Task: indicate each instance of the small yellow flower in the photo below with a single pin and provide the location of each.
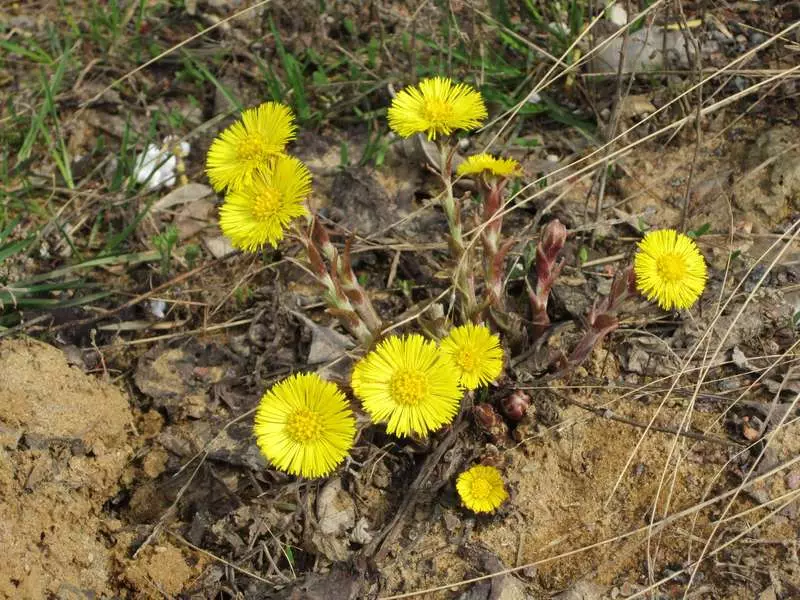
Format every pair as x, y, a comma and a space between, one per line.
477, 353
436, 107
670, 269
257, 214
304, 425
409, 383
488, 165
248, 145
481, 489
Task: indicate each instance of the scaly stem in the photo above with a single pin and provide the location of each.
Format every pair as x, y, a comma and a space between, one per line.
493, 255
462, 272
337, 300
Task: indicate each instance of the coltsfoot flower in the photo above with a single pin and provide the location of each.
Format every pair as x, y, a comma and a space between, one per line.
304, 425
248, 145
670, 269
437, 106
258, 213
489, 166
409, 383
481, 489
476, 352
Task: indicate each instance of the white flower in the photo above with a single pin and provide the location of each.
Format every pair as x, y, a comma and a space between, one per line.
156, 165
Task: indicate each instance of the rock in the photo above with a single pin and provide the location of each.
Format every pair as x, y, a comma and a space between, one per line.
582, 590
646, 51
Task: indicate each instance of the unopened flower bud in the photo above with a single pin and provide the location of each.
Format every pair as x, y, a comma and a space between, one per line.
491, 423
516, 405
485, 415
553, 239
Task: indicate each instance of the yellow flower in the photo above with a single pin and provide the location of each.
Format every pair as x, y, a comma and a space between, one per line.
490, 166
481, 489
436, 107
257, 214
249, 144
409, 383
477, 353
670, 269
304, 425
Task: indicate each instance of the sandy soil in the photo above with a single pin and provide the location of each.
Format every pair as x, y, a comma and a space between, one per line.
67, 438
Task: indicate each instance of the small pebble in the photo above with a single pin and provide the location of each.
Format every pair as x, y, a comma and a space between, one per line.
553, 158
451, 522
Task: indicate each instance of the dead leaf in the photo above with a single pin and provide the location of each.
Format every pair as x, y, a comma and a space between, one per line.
194, 217
326, 343
219, 246
740, 360
635, 106
335, 509
336, 516
185, 194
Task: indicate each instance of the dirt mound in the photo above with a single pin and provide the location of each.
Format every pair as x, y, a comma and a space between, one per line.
64, 444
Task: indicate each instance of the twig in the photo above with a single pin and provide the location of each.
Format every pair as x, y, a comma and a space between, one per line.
698, 71
380, 544
136, 300
183, 540
202, 454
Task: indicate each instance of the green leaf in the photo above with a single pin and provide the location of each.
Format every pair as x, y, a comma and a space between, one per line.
702, 230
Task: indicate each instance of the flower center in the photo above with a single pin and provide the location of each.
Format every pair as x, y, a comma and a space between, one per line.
437, 111
408, 387
304, 426
671, 267
481, 489
251, 148
266, 204
467, 360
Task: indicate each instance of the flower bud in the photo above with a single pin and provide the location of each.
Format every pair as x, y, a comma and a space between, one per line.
516, 405
485, 415
491, 423
553, 238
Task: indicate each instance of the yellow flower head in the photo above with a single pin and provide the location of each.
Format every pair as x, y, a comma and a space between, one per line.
481, 489
436, 107
409, 383
476, 352
304, 425
670, 269
257, 214
249, 144
488, 165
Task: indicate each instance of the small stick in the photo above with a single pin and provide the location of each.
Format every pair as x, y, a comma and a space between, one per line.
379, 545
